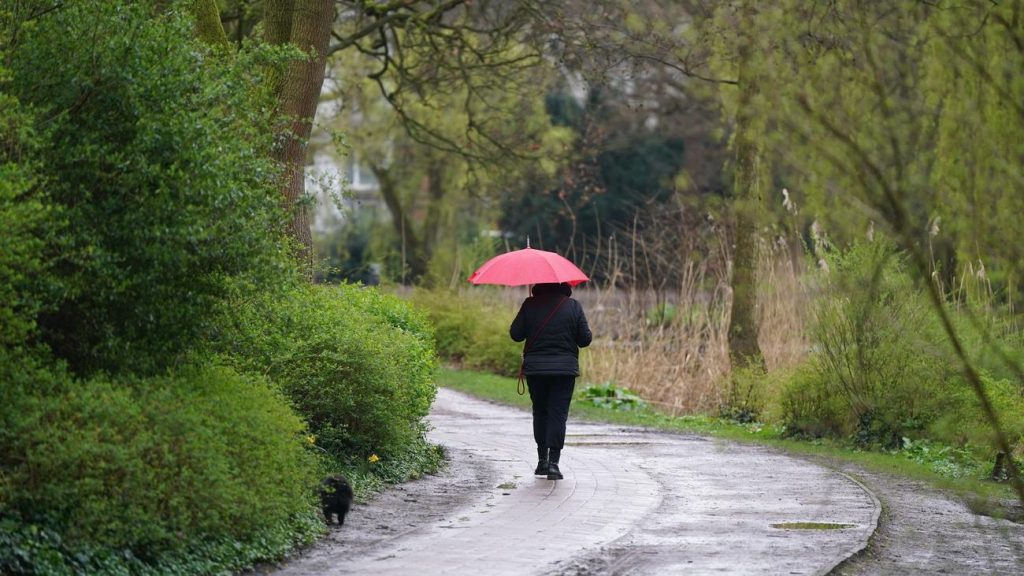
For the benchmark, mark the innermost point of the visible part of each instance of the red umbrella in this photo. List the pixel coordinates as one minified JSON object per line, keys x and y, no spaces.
{"x":527,"y":266}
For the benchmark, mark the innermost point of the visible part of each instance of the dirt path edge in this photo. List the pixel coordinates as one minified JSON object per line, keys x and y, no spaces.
{"x":872,"y":539}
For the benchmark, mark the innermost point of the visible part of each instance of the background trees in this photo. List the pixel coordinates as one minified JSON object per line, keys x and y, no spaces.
{"x":846,"y":175}
{"x":421,"y":48}
{"x":879,"y":141}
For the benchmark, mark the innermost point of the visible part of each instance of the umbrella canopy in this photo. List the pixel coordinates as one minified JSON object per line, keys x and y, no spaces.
{"x":527,"y":266}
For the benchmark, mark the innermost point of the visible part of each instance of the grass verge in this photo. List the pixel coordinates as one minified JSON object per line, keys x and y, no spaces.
{"x":937,"y":467}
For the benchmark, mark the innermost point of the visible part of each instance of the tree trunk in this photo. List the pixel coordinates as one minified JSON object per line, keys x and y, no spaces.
{"x":433,"y":227}
{"x":413,"y":259}
{"x":277,"y":20}
{"x":743,"y":347}
{"x":207,"y":21}
{"x":310,"y":24}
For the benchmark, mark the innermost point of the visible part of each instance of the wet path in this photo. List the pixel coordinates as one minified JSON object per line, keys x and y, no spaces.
{"x":632,"y":502}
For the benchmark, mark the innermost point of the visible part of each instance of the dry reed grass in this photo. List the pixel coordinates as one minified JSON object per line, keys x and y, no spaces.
{"x":681,"y":363}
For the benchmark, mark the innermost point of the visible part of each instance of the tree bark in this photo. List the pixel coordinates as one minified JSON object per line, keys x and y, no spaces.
{"x":209,"y":29}
{"x":309,"y":22}
{"x":744,"y":349}
{"x":412,"y":247}
{"x":433,"y":226}
{"x":277,"y":21}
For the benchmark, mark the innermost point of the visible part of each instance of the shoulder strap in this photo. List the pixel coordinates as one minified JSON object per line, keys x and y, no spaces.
{"x":520,"y":387}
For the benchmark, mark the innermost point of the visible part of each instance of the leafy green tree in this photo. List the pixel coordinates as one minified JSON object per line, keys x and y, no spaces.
{"x":28,"y":225}
{"x":157,"y":161}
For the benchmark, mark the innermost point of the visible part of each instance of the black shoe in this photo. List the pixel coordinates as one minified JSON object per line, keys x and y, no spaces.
{"x":553,"y":472}
{"x":542,"y":462}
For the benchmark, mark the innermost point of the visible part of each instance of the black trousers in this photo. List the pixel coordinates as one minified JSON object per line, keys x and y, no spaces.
{"x":550,"y":396}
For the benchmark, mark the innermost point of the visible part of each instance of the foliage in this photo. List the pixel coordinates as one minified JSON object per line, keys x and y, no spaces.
{"x":809,"y":409}
{"x":612,"y":397}
{"x":879,"y":352}
{"x":881,"y":373}
{"x":358,"y":364}
{"x":408,"y":462}
{"x":27,"y":222}
{"x":141,"y":233}
{"x":156,"y":157}
{"x":108,"y":474}
{"x":470,"y":331}
{"x":904,"y":118}
{"x":946,"y":460}
{"x":964,"y":423}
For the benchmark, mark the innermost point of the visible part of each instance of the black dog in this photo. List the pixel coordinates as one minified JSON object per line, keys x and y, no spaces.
{"x":335,"y":497}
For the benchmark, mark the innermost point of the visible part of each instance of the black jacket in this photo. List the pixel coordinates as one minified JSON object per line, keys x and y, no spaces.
{"x":556,"y":349}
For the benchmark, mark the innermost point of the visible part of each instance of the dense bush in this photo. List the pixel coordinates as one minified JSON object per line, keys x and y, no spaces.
{"x":810,"y":409}
{"x":880,"y":361}
{"x":157,"y":157}
{"x":965,"y":423}
{"x":102,"y":472}
{"x":470,"y":332}
{"x":146,"y":295}
{"x":136,"y":192}
{"x":882,"y":372}
{"x":358,"y":365}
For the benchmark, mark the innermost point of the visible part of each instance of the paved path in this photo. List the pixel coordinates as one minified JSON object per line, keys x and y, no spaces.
{"x":632,"y":502}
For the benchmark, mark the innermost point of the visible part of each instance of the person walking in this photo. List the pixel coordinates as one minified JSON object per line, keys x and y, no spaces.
{"x":555,"y":328}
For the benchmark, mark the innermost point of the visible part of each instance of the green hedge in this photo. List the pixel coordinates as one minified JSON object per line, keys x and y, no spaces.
{"x":157,"y":158}
{"x":471,"y":332}
{"x":881,"y":365}
{"x":358,"y":365}
{"x":155,"y":339}
{"x":106,"y":474}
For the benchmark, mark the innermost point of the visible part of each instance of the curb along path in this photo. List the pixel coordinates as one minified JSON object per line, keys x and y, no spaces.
{"x":632,"y":502}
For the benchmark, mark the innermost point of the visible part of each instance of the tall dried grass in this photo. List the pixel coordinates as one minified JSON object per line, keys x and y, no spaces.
{"x":660,"y":315}
{"x":682,"y":364}
{"x":786,"y":295}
